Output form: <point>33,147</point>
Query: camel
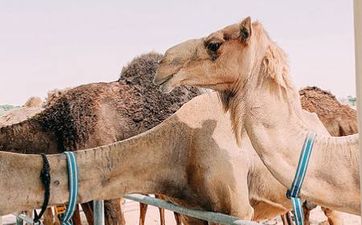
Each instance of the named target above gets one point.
<point>97,114</point>
<point>31,107</point>
<point>33,102</point>
<point>237,182</point>
<point>261,209</point>
<point>339,119</point>
<point>262,206</point>
<point>251,75</point>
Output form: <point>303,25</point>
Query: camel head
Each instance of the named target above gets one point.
<point>221,61</point>
<point>239,61</point>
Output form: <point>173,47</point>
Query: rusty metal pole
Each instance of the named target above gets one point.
<point>357,6</point>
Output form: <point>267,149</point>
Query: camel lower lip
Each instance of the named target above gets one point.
<point>165,80</point>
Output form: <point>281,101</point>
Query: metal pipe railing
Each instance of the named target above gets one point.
<point>98,207</point>
<point>199,214</point>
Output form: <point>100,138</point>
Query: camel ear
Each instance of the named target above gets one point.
<point>245,29</point>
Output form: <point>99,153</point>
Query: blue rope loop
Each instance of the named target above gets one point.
<point>73,187</point>
<point>294,192</point>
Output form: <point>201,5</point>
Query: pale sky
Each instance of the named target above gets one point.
<point>56,44</point>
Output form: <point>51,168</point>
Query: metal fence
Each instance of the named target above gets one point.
<point>199,214</point>
<point>211,217</point>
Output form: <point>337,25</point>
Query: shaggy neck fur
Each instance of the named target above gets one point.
<point>268,107</point>
<point>100,113</point>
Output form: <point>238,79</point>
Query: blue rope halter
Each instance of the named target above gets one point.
<point>73,187</point>
<point>294,191</point>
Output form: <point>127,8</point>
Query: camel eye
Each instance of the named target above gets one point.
<point>213,46</point>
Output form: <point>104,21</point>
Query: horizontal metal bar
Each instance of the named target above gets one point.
<point>199,214</point>
<point>27,219</point>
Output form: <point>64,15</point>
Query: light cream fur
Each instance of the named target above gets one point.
<point>252,77</point>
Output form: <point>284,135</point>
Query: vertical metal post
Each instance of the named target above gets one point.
<point>19,221</point>
<point>357,6</point>
<point>98,209</point>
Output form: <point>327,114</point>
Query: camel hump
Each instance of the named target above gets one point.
<point>33,102</point>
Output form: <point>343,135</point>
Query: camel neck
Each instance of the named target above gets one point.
<point>277,131</point>
<point>144,164</point>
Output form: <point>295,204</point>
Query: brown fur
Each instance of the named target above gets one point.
<point>97,114</point>
<point>340,120</point>
<point>79,117</point>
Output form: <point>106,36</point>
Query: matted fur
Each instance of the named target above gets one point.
<point>74,116</point>
<point>272,66</point>
<point>341,120</point>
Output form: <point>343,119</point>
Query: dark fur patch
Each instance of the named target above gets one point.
<point>133,105</point>
<point>153,105</point>
<point>339,119</point>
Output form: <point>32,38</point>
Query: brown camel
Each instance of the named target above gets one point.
<point>97,114</point>
<point>339,119</point>
<point>251,74</point>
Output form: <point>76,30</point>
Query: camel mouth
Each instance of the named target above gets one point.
<point>163,80</point>
<point>165,86</point>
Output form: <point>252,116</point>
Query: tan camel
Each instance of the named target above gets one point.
<point>339,119</point>
<point>33,102</point>
<point>237,182</point>
<point>31,107</point>
<point>251,74</point>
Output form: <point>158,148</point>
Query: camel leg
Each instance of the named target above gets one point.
<point>334,217</point>
<point>76,216</point>
<point>123,220</point>
<point>307,207</point>
<point>143,210</point>
<point>112,210</point>
<point>287,219</point>
<point>177,218</point>
<point>48,217</point>
<point>88,211</point>
<point>162,215</point>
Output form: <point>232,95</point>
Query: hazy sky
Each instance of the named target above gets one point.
<point>56,44</point>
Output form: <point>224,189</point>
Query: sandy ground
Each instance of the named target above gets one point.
<point>131,210</point>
